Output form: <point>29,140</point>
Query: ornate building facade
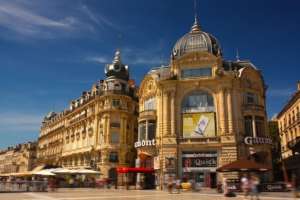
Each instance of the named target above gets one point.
<point>18,159</point>
<point>289,131</point>
<point>98,130</point>
<point>201,112</point>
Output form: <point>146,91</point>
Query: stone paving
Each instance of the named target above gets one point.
<point>102,194</point>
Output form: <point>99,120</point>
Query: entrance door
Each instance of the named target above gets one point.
<point>213,180</point>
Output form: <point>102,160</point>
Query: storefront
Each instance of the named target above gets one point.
<point>200,167</point>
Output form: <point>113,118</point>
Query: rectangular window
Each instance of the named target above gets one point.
<point>142,131</point>
<point>259,125</point>
<point>248,126</point>
<point>251,98</point>
<point>197,72</point>
<point>116,102</point>
<point>150,104</point>
<point>151,130</point>
<point>114,138</point>
<point>113,157</point>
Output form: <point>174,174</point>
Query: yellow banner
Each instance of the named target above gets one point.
<point>199,125</point>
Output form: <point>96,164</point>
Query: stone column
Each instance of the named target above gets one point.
<point>222,115</point>
<point>172,104</point>
<point>253,126</point>
<point>124,130</point>
<point>166,114</point>
<point>230,112</point>
<point>107,130</point>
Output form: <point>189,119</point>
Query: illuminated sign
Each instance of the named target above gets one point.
<point>257,140</point>
<point>144,143</point>
<point>199,161</point>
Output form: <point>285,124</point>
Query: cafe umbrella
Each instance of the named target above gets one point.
<point>244,165</point>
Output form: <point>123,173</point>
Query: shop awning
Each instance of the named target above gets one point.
<point>243,165</point>
<point>134,170</point>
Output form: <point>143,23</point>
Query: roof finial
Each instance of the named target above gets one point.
<point>237,55</point>
<point>196,26</point>
<point>117,58</point>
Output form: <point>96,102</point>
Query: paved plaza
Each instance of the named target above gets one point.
<point>102,194</point>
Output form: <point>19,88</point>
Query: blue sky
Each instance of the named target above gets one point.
<point>50,51</point>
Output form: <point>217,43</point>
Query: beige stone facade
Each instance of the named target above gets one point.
<point>18,159</point>
<point>98,130</point>
<point>289,131</point>
<point>201,112</point>
<point>289,123</point>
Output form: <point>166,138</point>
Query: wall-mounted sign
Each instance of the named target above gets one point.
<point>199,161</point>
<point>198,125</point>
<point>257,140</point>
<point>170,163</point>
<point>144,143</point>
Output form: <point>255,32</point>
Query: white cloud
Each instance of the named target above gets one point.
<point>10,122</point>
<point>98,19</point>
<point>49,19</point>
<point>22,20</point>
<point>98,59</point>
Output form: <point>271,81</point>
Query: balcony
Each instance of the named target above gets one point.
<point>146,114</point>
<point>253,107</point>
<point>294,144</point>
<point>202,140</point>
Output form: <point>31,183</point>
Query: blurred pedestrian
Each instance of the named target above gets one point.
<point>170,184</point>
<point>245,185</point>
<point>254,182</point>
<point>178,184</point>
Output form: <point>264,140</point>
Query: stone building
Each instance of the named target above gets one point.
<point>289,131</point>
<point>98,130</point>
<point>18,159</point>
<point>201,112</point>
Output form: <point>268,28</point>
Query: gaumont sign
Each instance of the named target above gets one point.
<point>144,143</point>
<point>257,140</point>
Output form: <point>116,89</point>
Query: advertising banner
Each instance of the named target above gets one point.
<point>198,125</point>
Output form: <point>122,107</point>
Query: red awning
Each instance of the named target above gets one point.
<point>134,169</point>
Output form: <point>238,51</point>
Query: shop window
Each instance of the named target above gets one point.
<point>260,127</point>
<point>198,102</point>
<point>248,126</point>
<point>197,72</point>
<point>251,98</point>
<point>115,138</point>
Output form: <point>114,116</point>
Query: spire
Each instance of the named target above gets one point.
<point>196,26</point>
<point>117,58</point>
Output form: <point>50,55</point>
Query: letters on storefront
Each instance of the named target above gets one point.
<point>257,140</point>
<point>144,143</point>
<point>199,160</point>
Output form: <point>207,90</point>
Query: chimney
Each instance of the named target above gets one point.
<point>298,85</point>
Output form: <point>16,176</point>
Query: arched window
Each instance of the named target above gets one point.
<point>198,101</point>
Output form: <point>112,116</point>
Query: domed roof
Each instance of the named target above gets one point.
<point>117,69</point>
<point>196,40</point>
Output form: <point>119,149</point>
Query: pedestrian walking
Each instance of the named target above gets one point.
<point>178,185</point>
<point>245,185</point>
<point>254,182</point>
<point>170,184</point>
